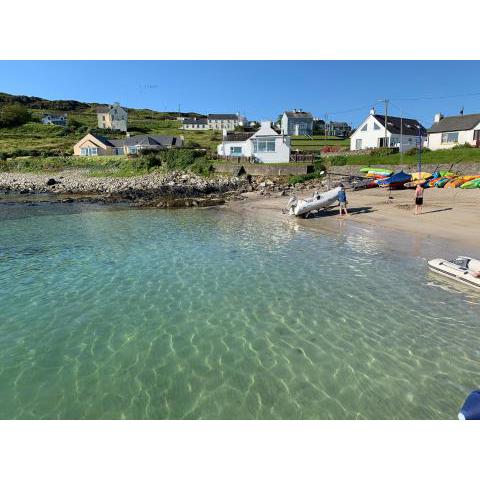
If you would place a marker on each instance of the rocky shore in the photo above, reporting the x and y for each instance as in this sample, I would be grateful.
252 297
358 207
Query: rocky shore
175 189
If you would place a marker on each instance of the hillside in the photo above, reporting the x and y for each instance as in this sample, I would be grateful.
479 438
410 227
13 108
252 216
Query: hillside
55 140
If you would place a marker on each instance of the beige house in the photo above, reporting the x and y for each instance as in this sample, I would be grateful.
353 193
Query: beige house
447 132
112 117
95 145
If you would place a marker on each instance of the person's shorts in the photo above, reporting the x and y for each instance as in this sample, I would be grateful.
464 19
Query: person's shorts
343 204
419 201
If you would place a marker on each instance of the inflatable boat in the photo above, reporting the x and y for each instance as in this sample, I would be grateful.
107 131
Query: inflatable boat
317 202
463 269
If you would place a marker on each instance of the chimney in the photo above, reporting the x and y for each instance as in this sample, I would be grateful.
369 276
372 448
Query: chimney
372 111
437 117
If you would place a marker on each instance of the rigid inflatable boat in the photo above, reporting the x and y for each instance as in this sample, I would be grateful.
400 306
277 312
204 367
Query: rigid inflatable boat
462 269
317 202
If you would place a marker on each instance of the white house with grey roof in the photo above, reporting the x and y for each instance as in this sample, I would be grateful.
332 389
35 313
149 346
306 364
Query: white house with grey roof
112 117
297 122
446 132
401 133
266 145
225 121
195 124
55 118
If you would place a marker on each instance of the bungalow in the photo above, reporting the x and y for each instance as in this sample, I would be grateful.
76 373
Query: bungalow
297 122
194 124
446 132
54 119
96 145
402 133
113 117
265 145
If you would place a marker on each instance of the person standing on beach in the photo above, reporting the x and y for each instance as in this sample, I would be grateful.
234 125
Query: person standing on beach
418 199
342 200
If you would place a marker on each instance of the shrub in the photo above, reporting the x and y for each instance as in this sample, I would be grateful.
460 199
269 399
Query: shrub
13 115
338 161
383 151
464 145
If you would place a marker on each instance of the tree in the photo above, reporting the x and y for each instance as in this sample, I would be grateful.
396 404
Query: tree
13 115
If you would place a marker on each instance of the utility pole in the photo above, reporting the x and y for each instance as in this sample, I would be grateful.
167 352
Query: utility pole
325 127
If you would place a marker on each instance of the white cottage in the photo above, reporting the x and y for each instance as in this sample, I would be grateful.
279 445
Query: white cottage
265 145
446 132
401 133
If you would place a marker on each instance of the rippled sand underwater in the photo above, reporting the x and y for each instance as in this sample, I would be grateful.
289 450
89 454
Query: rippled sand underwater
146 314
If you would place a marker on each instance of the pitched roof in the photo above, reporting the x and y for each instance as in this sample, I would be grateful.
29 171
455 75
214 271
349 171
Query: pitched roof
298 114
151 140
195 121
394 125
456 123
144 140
107 108
238 136
222 116
55 114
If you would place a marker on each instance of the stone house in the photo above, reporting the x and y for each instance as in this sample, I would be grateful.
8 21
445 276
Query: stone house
112 117
297 122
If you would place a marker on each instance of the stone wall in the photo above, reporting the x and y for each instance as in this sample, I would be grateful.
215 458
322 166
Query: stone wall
264 170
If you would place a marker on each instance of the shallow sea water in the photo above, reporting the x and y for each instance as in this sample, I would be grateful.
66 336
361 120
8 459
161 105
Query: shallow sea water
151 314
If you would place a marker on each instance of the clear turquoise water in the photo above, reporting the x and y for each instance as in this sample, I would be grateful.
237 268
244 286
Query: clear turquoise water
207 314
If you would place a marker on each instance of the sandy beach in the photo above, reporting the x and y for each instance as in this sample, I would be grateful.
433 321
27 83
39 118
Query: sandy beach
450 219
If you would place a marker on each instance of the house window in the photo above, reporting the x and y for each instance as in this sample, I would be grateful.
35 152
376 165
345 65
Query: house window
132 150
264 145
376 127
89 152
236 151
450 137
365 128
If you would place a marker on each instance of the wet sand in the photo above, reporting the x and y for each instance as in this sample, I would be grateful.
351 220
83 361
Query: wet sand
449 224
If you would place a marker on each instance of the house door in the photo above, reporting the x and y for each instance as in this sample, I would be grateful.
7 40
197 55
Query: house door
476 137
382 143
358 144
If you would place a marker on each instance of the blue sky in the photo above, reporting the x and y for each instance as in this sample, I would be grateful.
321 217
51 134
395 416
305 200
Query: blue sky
259 89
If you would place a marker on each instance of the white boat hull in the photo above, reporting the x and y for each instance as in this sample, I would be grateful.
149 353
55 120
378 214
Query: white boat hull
456 272
323 200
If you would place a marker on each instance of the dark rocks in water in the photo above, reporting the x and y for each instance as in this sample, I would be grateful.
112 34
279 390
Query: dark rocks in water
51 181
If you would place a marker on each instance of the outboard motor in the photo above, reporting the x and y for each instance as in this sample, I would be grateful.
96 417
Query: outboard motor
471 407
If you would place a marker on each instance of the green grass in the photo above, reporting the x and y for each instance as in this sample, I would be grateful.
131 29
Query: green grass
49 138
317 142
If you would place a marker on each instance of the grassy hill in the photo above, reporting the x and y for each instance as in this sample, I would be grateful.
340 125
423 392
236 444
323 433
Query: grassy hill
53 139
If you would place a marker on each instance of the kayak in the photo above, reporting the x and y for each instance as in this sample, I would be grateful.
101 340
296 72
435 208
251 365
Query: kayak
440 183
421 175
462 269
446 173
378 171
457 182
321 200
475 183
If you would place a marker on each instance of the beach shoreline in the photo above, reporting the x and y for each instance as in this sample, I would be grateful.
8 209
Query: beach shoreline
450 222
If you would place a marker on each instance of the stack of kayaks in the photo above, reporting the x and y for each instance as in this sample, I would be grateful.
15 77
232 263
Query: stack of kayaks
383 177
